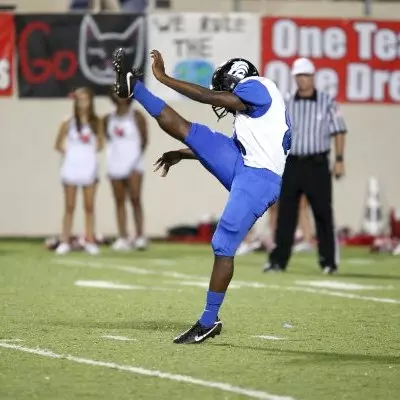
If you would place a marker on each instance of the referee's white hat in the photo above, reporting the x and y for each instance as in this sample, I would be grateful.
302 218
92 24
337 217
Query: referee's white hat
303 66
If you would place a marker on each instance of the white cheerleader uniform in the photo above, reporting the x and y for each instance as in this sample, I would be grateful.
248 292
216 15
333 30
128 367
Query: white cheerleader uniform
124 149
79 164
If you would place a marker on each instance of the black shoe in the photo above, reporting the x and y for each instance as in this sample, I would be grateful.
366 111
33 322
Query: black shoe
125 77
268 267
198 334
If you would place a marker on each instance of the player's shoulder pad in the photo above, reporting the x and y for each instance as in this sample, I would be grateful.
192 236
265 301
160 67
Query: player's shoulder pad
251 78
251 81
252 91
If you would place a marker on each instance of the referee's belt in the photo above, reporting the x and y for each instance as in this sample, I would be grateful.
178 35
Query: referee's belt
313 157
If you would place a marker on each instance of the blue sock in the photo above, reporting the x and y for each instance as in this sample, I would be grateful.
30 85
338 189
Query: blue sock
152 104
213 304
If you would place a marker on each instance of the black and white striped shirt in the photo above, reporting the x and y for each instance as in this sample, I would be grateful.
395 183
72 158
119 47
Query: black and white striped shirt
314 120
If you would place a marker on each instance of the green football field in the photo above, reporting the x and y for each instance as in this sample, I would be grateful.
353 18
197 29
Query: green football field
82 327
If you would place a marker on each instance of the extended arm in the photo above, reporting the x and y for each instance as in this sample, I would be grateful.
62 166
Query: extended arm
204 95
195 92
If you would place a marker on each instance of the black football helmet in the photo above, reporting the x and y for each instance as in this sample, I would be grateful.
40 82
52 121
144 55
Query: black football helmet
227 76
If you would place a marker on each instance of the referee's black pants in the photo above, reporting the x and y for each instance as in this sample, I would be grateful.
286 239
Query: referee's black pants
309 175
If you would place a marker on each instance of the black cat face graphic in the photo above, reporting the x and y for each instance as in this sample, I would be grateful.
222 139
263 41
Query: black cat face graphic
96 49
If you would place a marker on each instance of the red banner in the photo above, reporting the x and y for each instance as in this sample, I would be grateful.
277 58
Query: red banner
357 61
6 54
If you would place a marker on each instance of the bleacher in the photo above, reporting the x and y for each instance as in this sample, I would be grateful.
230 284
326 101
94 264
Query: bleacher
322 8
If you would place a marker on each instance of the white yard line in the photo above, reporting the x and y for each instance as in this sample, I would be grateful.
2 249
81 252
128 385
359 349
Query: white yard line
120 338
259 285
226 387
126 268
266 337
109 285
116 286
142 271
162 262
341 294
204 284
340 285
95 264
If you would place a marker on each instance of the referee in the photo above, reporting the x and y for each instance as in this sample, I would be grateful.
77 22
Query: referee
315 119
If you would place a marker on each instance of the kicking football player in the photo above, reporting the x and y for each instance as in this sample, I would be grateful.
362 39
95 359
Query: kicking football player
249 165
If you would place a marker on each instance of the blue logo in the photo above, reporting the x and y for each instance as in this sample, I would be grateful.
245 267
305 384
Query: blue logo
195 71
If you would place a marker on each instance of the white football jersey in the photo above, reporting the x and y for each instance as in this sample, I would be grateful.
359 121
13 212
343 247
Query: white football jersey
264 130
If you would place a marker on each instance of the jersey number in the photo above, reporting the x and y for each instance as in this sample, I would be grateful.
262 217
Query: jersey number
287 137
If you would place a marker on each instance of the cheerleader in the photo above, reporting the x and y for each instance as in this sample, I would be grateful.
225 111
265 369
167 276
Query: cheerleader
78 140
126 131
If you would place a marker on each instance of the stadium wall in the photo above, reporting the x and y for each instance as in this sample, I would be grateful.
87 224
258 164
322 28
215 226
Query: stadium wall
31 195
304 8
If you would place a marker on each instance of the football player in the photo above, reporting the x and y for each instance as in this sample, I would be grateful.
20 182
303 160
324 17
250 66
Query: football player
249 164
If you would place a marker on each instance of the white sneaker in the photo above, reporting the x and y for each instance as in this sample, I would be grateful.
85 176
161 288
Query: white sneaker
396 251
91 248
63 248
121 244
302 247
246 248
141 243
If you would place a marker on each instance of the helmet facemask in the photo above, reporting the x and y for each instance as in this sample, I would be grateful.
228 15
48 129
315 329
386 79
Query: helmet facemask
220 112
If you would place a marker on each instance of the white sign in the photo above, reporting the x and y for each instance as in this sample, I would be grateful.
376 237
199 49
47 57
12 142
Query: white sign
194 44
357 61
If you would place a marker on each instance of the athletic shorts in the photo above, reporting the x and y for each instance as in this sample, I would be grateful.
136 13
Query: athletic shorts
252 190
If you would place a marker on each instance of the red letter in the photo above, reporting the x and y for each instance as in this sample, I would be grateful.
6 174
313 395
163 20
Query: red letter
28 74
71 68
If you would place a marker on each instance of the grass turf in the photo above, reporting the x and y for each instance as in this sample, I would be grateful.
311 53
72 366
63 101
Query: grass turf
333 347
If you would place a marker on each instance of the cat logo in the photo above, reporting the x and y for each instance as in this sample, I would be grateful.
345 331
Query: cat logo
96 49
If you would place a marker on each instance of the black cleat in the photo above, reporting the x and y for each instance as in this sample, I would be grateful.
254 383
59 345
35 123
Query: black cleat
198 334
125 77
